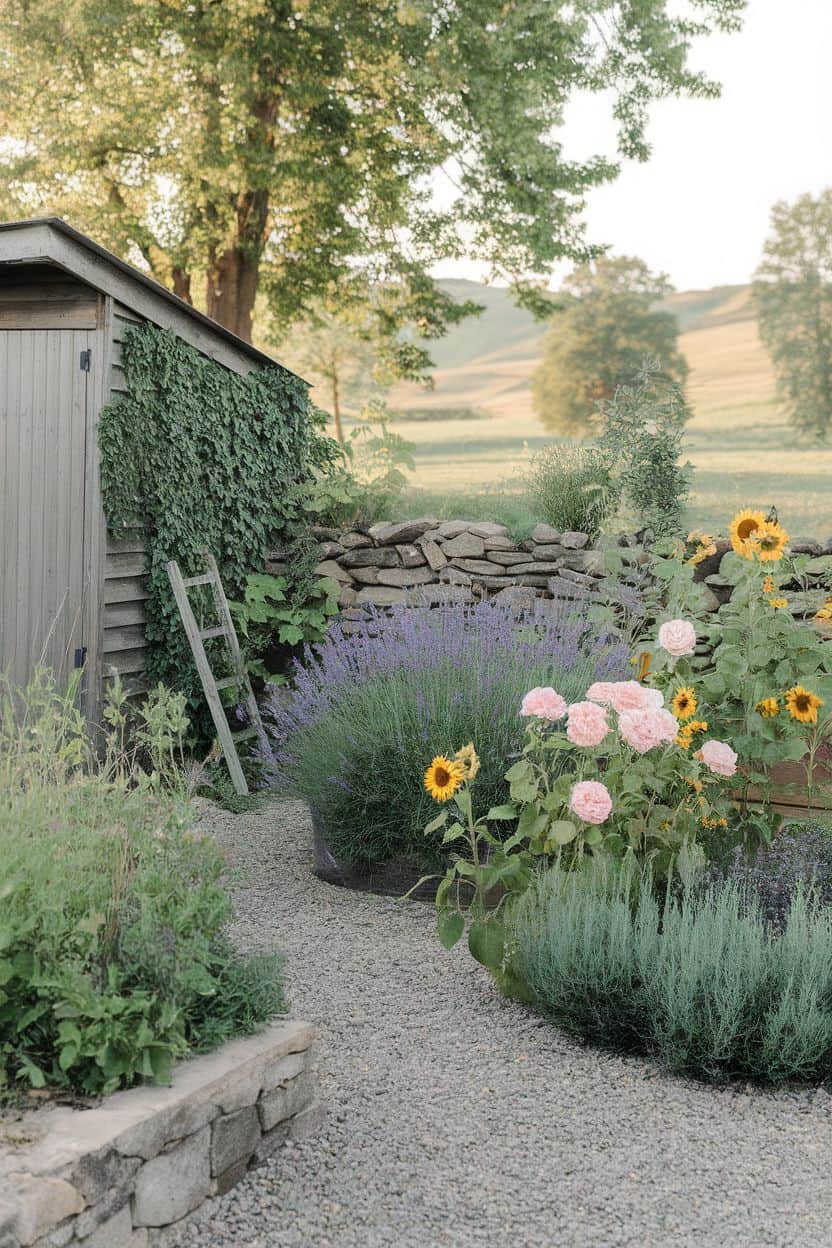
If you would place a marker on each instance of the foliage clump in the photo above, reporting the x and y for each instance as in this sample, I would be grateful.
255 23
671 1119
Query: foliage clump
642 432
195 456
114 953
699 981
573 487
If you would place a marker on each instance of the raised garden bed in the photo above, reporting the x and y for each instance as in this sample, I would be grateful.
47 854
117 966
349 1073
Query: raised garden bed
117 1175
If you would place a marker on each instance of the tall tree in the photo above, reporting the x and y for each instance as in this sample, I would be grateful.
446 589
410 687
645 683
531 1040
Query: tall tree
792 292
607 325
283 145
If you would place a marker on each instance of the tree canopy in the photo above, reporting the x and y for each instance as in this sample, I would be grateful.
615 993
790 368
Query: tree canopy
793 295
291 147
607 326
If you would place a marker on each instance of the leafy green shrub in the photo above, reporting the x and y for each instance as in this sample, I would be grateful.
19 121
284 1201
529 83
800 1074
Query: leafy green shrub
114 954
700 982
643 427
370 710
572 487
364 481
270 615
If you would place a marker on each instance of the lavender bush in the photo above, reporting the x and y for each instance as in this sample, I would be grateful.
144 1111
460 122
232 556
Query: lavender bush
369 711
799 858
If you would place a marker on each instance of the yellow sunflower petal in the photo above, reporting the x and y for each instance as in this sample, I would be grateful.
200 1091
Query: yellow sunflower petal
443 778
742 530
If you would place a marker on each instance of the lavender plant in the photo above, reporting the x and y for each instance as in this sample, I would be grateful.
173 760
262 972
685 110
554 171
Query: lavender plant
367 709
799 857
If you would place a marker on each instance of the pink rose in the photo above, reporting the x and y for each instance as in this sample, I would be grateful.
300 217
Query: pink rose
718 757
591 801
644 728
587 723
601 691
629 695
543 702
677 637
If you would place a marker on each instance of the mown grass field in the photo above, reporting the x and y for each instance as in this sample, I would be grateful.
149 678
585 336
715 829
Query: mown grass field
742 449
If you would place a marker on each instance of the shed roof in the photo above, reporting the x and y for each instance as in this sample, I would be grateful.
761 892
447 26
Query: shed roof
51 240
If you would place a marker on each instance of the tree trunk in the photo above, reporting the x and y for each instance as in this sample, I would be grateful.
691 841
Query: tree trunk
336 410
182 284
233 274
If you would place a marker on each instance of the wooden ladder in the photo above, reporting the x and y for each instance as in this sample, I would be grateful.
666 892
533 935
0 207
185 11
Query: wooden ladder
197 636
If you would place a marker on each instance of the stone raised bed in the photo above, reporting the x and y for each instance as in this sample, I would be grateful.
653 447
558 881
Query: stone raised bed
119 1175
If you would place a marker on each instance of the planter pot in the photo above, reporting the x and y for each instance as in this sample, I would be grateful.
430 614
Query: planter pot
390 879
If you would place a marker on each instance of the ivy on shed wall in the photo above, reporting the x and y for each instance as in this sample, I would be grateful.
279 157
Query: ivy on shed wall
197 456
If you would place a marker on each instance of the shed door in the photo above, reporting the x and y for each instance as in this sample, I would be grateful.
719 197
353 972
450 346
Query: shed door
43 424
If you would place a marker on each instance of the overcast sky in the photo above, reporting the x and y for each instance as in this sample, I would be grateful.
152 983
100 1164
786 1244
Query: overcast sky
698 209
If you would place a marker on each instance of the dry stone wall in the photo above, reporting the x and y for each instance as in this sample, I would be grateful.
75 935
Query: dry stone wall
123 1174
427 563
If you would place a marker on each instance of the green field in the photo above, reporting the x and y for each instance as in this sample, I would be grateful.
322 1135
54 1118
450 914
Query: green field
743 451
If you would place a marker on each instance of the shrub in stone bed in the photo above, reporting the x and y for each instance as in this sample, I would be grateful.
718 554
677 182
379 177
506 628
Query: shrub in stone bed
700 982
367 709
114 955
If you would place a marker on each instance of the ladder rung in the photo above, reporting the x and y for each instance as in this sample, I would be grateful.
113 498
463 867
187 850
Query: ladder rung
245 735
219 631
228 682
205 579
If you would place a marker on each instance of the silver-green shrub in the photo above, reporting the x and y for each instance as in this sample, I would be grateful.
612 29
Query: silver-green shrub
699 981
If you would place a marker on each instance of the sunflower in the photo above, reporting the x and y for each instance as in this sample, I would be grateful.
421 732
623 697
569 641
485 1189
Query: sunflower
768 585
468 760
825 612
803 705
768 708
743 528
778 602
443 778
770 541
684 703
705 547
686 734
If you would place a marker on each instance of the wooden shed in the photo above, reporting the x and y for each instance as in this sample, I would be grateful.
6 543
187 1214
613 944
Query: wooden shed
69 595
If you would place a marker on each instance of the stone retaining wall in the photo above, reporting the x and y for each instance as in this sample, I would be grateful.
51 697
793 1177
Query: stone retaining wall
428 563
120 1175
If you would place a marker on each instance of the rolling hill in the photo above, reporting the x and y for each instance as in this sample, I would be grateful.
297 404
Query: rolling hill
487 361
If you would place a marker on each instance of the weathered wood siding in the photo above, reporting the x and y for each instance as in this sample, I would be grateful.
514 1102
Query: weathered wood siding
44 570
124 646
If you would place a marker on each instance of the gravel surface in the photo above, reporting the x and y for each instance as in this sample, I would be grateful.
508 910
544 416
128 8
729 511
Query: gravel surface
458 1118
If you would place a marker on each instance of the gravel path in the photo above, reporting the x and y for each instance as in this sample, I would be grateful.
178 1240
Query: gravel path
458 1118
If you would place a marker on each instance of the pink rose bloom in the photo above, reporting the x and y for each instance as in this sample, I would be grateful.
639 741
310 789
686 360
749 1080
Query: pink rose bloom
629 695
601 691
677 637
591 801
543 702
587 723
644 728
718 757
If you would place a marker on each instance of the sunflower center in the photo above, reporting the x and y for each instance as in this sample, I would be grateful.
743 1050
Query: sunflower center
802 702
745 528
442 777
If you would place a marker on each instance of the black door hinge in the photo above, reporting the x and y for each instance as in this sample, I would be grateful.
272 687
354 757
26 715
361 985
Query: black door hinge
80 656
86 360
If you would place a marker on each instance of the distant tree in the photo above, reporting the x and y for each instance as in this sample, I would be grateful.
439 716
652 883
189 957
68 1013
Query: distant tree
336 353
792 292
607 325
278 146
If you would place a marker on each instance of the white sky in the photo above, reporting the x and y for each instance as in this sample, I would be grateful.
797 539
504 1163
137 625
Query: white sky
698 209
